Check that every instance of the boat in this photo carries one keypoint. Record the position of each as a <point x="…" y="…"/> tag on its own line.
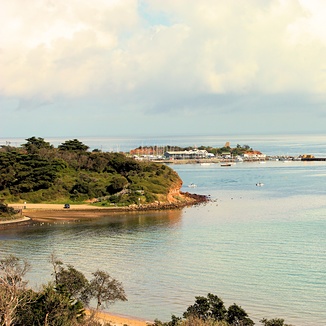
<point x="192" y="185"/>
<point x="226" y="164"/>
<point x="259" y="184"/>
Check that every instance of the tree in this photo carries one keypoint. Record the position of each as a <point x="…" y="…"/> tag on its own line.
<point x="58" y="303"/>
<point x="175" y="321"/>
<point x="49" y="307"/>
<point x="106" y="289"/>
<point x="273" y="322"/>
<point x="34" y="144"/>
<point x="73" y="145"/>
<point x="69" y="280"/>
<point x="118" y="182"/>
<point x="12" y="287"/>
<point x="237" y="316"/>
<point x="6" y="210"/>
<point x="211" y="307"/>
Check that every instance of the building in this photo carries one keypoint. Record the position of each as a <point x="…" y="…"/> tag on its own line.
<point x="254" y="155"/>
<point x="186" y="155"/>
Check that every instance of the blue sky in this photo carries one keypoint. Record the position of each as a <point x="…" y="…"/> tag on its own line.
<point x="162" y="67"/>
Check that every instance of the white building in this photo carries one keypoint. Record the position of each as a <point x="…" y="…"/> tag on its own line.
<point x="183" y="155"/>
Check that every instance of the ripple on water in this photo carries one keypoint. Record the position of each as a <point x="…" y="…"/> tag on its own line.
<point x="265" y="249"/>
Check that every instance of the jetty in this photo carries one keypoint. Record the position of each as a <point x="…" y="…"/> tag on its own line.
<point x="314" y="159"/>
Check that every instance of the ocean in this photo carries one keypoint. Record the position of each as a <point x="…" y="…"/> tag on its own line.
<point x="268" y="144"/>
<point x="263" y="248"/>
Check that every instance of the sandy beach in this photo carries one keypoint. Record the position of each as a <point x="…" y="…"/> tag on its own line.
<point x="48" y="212"/>
<point x="118" y="320"/>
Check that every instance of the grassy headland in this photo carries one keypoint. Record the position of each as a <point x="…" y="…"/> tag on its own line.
<point x="37" y="172"/>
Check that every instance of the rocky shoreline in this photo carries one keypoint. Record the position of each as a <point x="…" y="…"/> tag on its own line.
<point x="188" y="199"/>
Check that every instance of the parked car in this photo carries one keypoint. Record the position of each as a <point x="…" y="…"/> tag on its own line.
<point x="66" y="206"/>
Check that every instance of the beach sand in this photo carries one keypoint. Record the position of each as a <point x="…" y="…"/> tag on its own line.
<point x="118" y="320"/>
<point x="48" y="212"/>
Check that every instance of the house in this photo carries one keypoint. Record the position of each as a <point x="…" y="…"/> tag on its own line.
<point x="254" y="156"/>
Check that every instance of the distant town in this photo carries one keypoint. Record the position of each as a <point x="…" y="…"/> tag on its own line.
<point x="207" y="154"/>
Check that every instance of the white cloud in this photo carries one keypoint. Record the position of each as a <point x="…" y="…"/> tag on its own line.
<point x="105" y="48"/>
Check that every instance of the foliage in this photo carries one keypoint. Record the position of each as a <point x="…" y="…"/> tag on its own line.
<point x="211" y="307"/>
<point x="49" y="307"/>
<point x="60" y="302"/>
<point x="5" y="210"/>
<point x="118" y="182"/>
<point x="273" y="322"/>
<point x="34" y="144"/>
<point x="21" y="173"/>
<point x="71" y="174"/>
<point x="12" y="287"/>
<point x="70" y="281"/>
<point x="105" y="289"/>
<point x="73" y="145"/>
<point x="210" y="311"/>
<point x="191" y="321"/>
<point x="237" y="316"/>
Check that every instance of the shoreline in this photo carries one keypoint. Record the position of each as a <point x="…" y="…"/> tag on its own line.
<point x="56" y="212"/>
<point x="24" y="220"/>
<point x="53" y="212"/>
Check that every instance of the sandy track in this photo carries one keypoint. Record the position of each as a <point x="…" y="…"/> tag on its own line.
<point x="46" y="212"/>
<point x="58" y="207"/>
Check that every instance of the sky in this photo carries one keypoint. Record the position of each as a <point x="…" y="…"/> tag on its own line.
<point x="162" y="67"/>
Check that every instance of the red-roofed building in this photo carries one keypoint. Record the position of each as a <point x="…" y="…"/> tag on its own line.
<point x="254" y="155"/>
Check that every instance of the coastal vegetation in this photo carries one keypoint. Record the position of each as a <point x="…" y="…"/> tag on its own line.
<point x="234" y="151"/>
<point x="6" y="212"/>
<point x="211" y="311"/>
<point x="60" y="302"/>
<point x="63" y="300"/>
<point x="37" y="172"/>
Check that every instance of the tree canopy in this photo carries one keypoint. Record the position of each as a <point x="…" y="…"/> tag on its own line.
<point x="62" y="301"/>
<point x="210" y="311"/>
<point x="37" y="172"/>
<point x="73" y="145"/>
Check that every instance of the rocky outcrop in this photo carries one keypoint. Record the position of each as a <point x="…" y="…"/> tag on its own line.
<point x="174" y="199"/>
<point x="174" y="194"/>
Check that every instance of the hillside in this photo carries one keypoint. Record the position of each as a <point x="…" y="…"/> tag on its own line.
<point x="37" y="172"/>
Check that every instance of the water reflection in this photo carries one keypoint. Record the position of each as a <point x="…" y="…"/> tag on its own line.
<point x="261" y="248"/>
<point x="116" y="222"/>
<point x="125" y="245"/>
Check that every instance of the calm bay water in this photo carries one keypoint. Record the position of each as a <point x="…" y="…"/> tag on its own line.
<point x="261" y="247"/>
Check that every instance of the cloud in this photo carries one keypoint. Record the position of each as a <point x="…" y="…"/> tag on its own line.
<point x="159" y="51"/>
